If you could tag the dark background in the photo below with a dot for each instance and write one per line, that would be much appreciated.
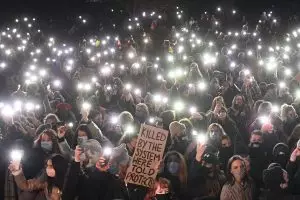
(58, 6)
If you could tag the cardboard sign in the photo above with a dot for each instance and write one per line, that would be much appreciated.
(148, 153)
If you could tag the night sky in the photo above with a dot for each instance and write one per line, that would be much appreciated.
(56, 7)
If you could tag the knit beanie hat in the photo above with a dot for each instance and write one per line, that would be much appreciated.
(141, 111)
(280, 149)
(125, 117)
(92, 150)
(177, 129)
(273, 176)
(167, 117)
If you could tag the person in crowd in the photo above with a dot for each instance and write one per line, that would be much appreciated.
(96, 182)
(276, 180)
(205, 178)
(188, 128)
(130, 140)
(175, 170)
(228, 125)
(257, 157)
(50, 187)
(294, 137)
(239, 112)
(141, 113)
(215, 132)
(289, 118)
(216, 106)
(44, 146)
(178, 137)
(281, 154)
(239, 184)
(225, 152)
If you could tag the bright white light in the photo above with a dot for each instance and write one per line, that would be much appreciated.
(170, 58)
(234, 12)
(131, 55)
(232, 64)
(42, 72)
(128, 86)
(105, 70)
(151, 120)
(288, 72)
(219, 9)
(29, 106)
(86, 106)
(282, 84)
(2, 65)
(202, 85)
(79, 86)
(249, 53)
(137, 91)
(7, 52)
(129, 27)
(179, 106)
(180, 49)
(70, 125)
(88, 51)
(16, 155)
(274, 21)
(261, 62)
(144, 59)
(247, 72)
(157, 98)
(56, 83)
(275, 109)
(264, 119)
(17, 105)
(193, 110)
(287, 48)
(234, 46)
(201, 139)
(114, 120)
(94, 79)
(107, 151)
(259, 47)
(209, 59)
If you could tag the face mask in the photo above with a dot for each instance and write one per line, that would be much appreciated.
(214, 135)
(209, 171)
(173, 167)
(222, 115)
(255, 145)
(225, 153)
(47, 146)
(162, 196)
(81, 140)
(113, 169)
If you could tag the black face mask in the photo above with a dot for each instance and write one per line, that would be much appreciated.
(282, 160)
(208, 171)
(162, 196)
(225, 153)
(255, 150)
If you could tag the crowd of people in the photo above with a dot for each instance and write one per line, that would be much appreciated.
(226, 90)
